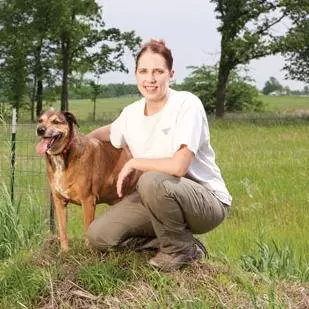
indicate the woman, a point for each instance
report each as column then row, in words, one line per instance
column 181, row 191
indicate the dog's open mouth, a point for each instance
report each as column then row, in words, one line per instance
column 47, row 143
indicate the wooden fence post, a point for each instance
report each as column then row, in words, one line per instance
column 13, row 152
column 52, row 225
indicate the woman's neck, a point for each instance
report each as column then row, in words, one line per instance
column 153, row 107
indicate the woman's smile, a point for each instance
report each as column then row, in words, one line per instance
column 153, row 78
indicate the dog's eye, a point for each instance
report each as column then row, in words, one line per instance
column 40, row 120
column 56, row 121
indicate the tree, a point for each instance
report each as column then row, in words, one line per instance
column 240, row 95
column 84, row 41
column 13, row 51
column 286, row 90
column 25, row 47
column 297, row 52
column 96, row 89
column 202, row 82
column 39, row 40
column 246, row 34
column 42, row 14
column 272, row 85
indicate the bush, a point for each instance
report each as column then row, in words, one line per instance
column 202, row 82
column 240, row 95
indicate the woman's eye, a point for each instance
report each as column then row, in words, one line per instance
column 158, row 71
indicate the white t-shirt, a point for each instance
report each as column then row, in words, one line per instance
column 182, row 121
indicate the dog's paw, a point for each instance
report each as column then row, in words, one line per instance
column 87, row 243
column 64, row 247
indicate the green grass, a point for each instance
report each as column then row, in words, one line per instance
column 81, row 279
column 20, row 226
column 21, row 282
column 285, row 104
column 104, row 107
column 265, row 167
column 259, row 255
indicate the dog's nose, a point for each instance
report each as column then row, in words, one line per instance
column 40, row 131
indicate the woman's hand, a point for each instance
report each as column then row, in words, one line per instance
column 125, row 172
column 177, row 166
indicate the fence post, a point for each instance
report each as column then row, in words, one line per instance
column 13, row 152
column 52, row 225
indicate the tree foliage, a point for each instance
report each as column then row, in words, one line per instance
column 86, row 44
column 44, row 43
column 247, row 30
column 272, row 85
column 13, row 52
column 202, row 82
column 240, row 94
column 297, row 52
column 85, row 90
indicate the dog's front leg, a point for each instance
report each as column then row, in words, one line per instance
column 89, row 214
column 62, row 218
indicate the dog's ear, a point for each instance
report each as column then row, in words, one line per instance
column 41, row 113
column 70, row 118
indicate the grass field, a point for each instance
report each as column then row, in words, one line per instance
column 259, row 256
column 105, row 108
column 286, row 104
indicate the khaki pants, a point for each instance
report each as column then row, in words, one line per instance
column 163, row 213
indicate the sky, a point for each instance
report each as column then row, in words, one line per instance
column 189, row 28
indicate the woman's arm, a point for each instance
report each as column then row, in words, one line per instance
column 102, row 133
column 178, row 165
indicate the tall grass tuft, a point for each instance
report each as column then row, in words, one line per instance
column 275, row 261
column 21, row 223
column 21, row 283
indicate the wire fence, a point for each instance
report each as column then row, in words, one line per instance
column 22, row 171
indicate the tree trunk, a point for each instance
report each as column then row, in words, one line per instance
column 221, row 93
column 39, row 98
column 39, row 79
column 223, row 77
column 33, row 95
column 226, row 65
column 65, row 47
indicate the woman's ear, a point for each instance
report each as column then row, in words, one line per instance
column 172, row 73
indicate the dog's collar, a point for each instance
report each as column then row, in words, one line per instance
column 69, row 144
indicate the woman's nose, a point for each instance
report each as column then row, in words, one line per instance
column 150, row 77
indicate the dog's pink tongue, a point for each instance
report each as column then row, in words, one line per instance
column 41, row 147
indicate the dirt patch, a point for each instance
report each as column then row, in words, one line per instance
column 301, row 113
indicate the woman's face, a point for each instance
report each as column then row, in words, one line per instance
column 153, row 76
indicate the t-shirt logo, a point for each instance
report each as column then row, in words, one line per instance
column 166, row 130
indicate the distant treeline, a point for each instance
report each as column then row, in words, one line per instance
column 85, row 91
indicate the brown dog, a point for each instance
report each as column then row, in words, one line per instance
column 82, row 169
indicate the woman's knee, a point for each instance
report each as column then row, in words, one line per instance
column 209, row 220
column 105, row 235
column 151, row 185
